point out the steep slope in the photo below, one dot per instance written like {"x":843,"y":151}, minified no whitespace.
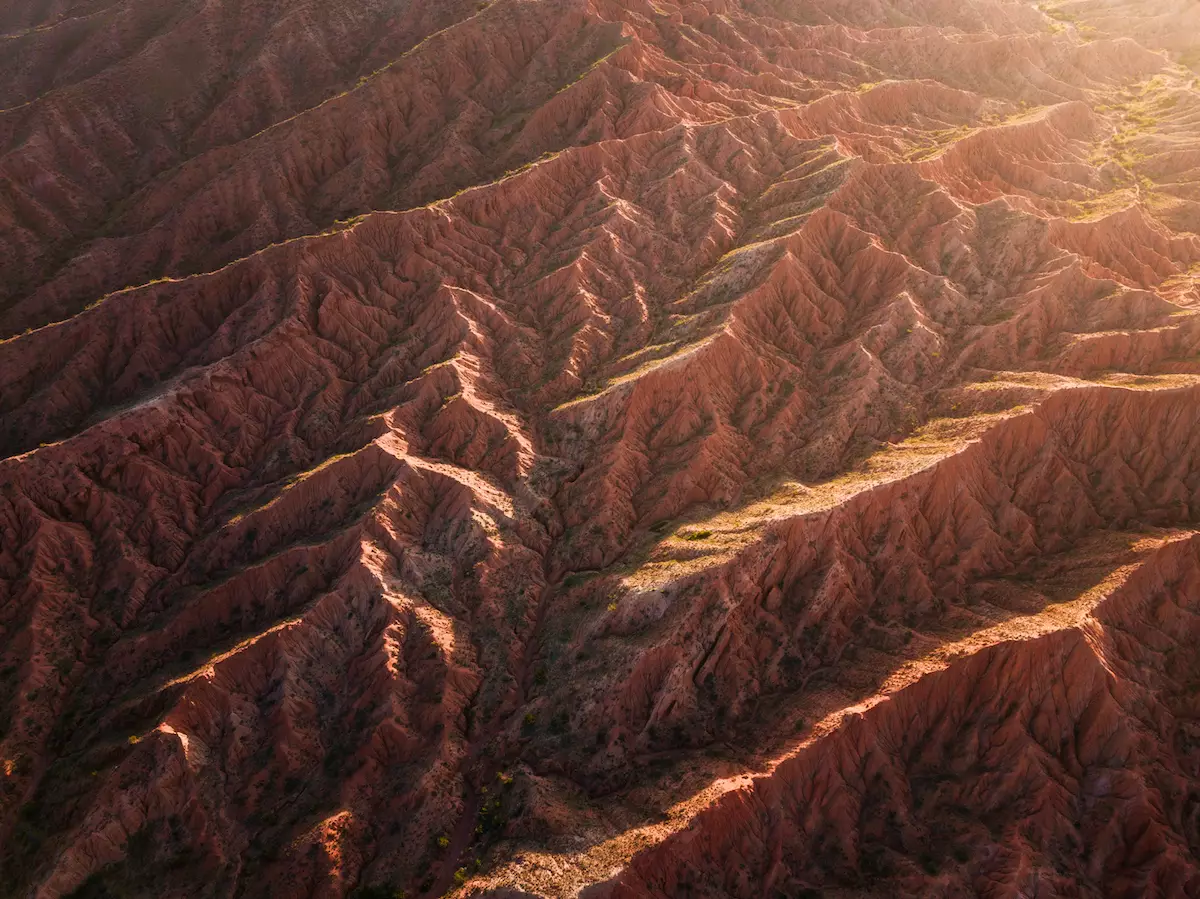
{"x":717,"y":448}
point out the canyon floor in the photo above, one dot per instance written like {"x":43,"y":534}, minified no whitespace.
{"x":617,"y":449}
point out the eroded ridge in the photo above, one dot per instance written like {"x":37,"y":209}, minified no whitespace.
{"x":607,"y":448}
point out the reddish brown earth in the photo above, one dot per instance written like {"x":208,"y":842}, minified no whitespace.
{"x":604,"y":448}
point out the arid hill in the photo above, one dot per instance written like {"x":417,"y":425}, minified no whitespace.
{"x":602,"y":448}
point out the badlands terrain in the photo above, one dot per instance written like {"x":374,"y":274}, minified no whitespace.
{"x":623,"y":449}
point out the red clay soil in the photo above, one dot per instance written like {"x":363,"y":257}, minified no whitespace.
{"x":603,"y":448}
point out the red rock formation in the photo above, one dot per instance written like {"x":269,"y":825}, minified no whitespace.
{"x":727,"y":448}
